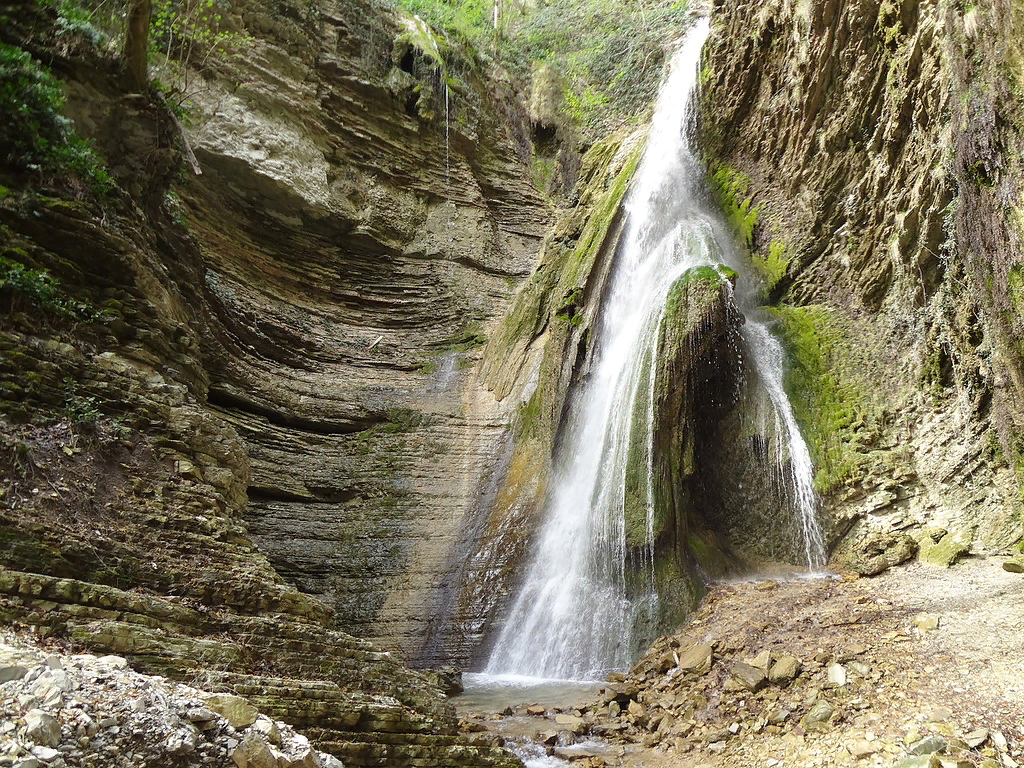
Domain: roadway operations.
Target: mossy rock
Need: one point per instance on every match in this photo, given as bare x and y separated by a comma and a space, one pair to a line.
834, 412
939, 547
880, 551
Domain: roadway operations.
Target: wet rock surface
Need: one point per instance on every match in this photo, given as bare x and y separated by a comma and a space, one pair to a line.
893, 262
289, 340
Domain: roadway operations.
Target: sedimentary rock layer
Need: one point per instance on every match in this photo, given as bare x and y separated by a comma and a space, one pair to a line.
879, 146
267, 438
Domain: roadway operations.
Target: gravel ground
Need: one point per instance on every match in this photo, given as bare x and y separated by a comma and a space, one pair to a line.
959, 682
978, 650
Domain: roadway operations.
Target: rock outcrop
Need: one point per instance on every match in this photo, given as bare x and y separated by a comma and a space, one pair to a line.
265, 435
370, 247
697, 378
877, 147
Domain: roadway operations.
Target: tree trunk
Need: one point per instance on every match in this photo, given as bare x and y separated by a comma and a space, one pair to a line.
136, 45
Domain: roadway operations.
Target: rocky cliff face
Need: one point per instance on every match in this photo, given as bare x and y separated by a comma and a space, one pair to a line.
315, 397
269, 436
371, 243
877, 147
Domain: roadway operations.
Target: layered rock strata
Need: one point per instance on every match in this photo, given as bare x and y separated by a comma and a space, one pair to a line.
373, 238
266, 436
874, 150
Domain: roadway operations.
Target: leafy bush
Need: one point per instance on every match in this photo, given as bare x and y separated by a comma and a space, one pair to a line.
610, 52
22, 285
74, 20
35, 285
33, 131
189, 34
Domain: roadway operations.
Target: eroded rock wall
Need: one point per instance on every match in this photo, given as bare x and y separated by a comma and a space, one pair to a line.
267, 436
880, 142
358, 245
697, 378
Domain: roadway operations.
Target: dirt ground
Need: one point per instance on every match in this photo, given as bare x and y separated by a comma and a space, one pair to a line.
962, 682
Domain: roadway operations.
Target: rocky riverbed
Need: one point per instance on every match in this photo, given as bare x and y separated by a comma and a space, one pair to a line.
921, 666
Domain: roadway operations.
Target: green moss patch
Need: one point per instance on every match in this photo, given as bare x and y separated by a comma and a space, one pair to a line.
731, 188
830, 408
771, 268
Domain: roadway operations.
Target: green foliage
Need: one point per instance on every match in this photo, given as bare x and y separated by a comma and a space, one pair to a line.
81, 409
187, 34
187, 23
22, 286
731, 187
472, 18
610, 52
74, 20
34, 133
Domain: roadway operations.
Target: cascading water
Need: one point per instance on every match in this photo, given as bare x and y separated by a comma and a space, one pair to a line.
574, 617
768, 357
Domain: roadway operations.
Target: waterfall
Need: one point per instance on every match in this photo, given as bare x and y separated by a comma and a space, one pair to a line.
574, 617
769, 360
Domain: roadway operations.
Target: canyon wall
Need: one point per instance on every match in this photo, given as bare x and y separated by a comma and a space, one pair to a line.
873, 150
246, 436
291, 420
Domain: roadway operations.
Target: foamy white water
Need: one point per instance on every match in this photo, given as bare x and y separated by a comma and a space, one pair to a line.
574, 617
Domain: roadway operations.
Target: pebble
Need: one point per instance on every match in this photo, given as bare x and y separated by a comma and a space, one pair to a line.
927, 746
837, 674
975, 739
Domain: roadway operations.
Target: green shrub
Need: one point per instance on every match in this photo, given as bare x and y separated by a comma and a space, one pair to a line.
74, 20
34, 133
22, 286
610, 52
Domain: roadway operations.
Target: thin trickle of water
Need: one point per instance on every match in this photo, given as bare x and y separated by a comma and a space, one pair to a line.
575, 617
769, 360
450, 203
447, 143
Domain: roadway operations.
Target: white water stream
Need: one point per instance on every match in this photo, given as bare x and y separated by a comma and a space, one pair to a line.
573, 618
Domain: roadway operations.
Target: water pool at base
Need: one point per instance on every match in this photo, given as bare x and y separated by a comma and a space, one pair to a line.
495, 693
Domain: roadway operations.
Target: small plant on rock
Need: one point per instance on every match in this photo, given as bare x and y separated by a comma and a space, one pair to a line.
35, 136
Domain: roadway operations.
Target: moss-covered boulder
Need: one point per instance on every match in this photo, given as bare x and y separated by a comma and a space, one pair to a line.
937, 546
697, 373
880, 551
